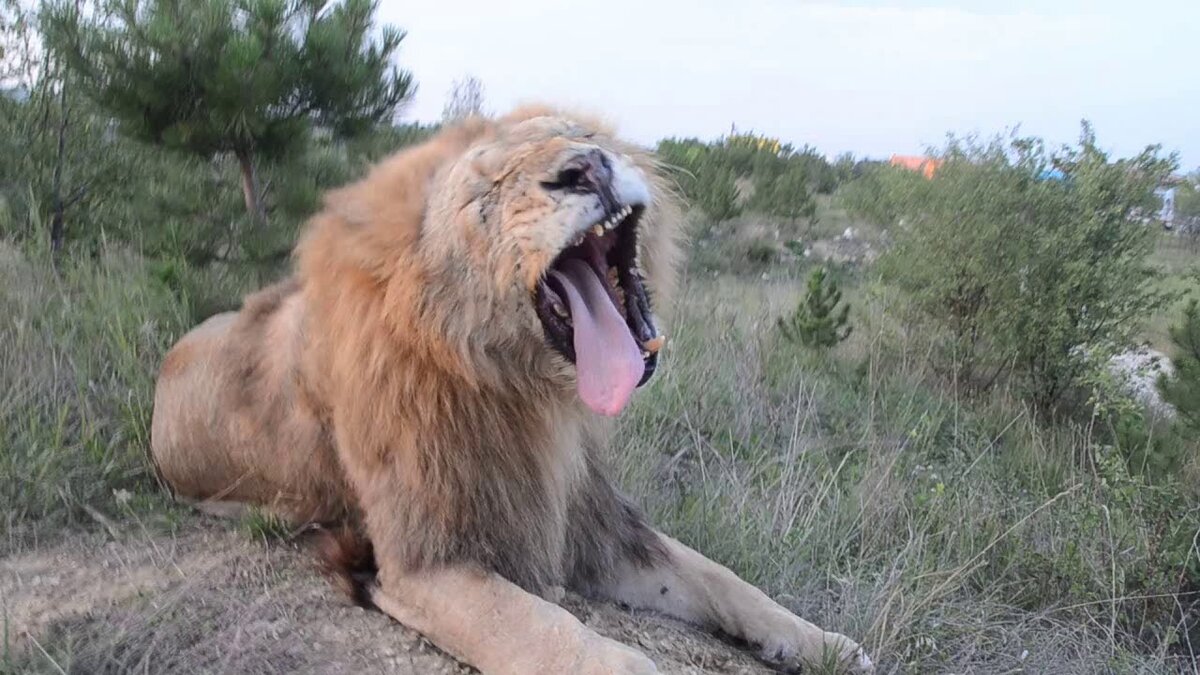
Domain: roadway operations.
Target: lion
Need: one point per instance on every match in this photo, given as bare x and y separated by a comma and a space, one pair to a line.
439, 373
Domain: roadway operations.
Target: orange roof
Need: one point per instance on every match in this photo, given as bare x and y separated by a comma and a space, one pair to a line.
927, 166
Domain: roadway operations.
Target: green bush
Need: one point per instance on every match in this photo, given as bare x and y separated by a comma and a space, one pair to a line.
818, 322
1182, 388
784, 179
1030, 275
761, 253
785, 196
880, 194
718, 195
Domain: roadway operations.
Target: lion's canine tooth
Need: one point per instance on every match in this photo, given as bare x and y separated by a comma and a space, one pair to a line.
598, 230
654, 345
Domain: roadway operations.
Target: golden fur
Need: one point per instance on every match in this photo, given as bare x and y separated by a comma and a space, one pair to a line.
400, 381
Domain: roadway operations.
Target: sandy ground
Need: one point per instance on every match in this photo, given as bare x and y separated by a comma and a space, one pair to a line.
213, 601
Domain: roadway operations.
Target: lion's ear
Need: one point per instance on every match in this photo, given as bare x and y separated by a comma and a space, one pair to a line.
488, 161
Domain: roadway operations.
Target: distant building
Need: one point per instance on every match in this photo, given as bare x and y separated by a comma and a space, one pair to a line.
926, 166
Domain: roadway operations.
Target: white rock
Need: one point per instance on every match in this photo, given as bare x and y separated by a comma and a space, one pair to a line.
1139, 370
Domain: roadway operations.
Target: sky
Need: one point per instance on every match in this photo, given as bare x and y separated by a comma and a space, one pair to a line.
872, 77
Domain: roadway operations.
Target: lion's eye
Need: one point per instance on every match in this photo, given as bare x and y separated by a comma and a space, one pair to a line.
566, 179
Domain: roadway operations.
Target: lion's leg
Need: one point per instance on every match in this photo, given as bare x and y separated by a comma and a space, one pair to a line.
219, 508
497, 627
686, 585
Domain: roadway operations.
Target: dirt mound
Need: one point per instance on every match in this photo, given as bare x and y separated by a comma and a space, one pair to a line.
209, 600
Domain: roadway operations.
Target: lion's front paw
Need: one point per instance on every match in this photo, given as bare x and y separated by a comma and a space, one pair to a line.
848, 656
799, 643
609, 657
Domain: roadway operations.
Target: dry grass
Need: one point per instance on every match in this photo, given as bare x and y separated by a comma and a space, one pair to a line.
951, 538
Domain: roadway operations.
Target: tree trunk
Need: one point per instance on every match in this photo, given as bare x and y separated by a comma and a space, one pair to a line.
58, 227
250, 189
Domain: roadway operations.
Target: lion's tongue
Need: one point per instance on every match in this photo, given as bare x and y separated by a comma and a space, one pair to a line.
608, 362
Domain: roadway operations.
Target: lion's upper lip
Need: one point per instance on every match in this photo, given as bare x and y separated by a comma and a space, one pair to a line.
606, 224
609, 247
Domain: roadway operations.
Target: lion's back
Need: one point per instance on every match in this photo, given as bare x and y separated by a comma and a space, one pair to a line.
231, 421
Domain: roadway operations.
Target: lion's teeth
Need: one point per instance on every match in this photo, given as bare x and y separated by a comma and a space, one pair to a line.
653, 345
598, 230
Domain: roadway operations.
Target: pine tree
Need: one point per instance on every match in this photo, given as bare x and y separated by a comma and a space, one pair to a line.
1182, 388
247, 77
818, 321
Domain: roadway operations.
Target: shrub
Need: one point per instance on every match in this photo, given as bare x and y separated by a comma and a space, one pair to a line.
784, 179
785, 196
718, 195
880, 194
762, 253
818, 321
1029, 275
1182, 388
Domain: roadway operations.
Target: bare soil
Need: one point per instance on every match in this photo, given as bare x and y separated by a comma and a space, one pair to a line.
211, 600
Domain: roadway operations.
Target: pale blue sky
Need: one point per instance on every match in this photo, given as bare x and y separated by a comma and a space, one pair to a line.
873, 77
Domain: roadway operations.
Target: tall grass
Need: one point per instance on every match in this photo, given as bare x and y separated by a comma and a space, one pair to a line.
859, 486
81, 342
953, 535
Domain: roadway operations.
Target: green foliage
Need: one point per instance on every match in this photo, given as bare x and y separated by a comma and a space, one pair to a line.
1182, 388
717, 194
76, 383
783, 178
262, 525
164, 204
844, 168
1187, 199
785, 196
1028, 274
880, 193
59, 157
761, 253
224, 76
818, 321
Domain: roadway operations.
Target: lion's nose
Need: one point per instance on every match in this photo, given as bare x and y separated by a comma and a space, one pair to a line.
589, 171
596, 170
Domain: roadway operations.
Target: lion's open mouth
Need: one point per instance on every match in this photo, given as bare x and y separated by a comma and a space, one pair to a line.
595, 311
